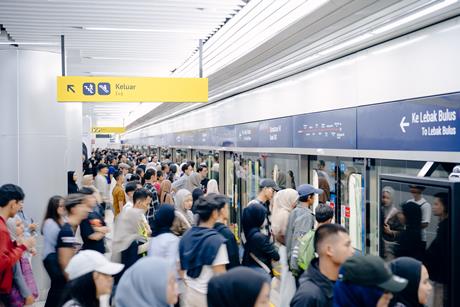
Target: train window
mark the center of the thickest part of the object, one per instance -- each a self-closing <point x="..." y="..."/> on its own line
<point x="414" y="222"/>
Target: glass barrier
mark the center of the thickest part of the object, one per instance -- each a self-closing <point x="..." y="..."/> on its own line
<point x="415" y="222"/>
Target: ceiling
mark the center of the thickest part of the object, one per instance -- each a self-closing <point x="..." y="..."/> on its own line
<point x="115" y="37"/>
<point x="246" y="43"/>
<point x="330" y="31"/>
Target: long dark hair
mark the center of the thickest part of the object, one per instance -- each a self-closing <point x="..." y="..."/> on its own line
<point x="52" y="210"/>
<point x="82" y="290"/>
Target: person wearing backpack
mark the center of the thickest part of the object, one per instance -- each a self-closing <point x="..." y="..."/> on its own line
<point x="304" y="252"/>
<point x="301" y="220"/>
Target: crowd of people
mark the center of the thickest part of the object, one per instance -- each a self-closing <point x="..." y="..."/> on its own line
<point x="171" y="244"/>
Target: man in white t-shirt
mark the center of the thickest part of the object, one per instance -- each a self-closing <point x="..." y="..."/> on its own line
<point x="425" y="207"/>
<point x="130" y="188"/>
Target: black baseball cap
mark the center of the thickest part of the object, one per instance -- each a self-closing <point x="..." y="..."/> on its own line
<point x="373" y="272"/>
<point x="269" y="183"/>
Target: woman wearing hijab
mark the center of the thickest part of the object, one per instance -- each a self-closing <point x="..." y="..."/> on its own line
<point x="212" y="187"/>
<point x="164" y="243"/>
<point x="193" y="182"/>
<point x="390" y="221"/>
<point x="183" y="202"/>
<point x="165" y="193"/>
<point x="72" y="186"/>
<point x="240" y="287"/>
<point x="258" y="250"/>
<point x="150" y="282"/>
<point x="203" y="254"/>
<point x="283" y="203"/>
<point x="410" y="239"/>
<point x="24" y="290"/>
<point x="418" y="288"/>
<point x="281" y="180"/>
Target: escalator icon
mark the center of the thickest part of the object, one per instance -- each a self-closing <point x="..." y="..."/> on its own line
<point x="103" y="88"/>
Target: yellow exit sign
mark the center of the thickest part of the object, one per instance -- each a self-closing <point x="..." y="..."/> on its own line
<point x="108" y="130"/>
<point x="136" y="89"/>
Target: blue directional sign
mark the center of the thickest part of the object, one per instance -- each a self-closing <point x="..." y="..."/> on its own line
<point x="276" y="132"/>
<point x="430" y="124"/>
<point x="330" y="129"/>
<point x="202" y="137"/>
<point x="224" y="136"/>
<point x="89" y="88"/>
<point x="247" y="135"/>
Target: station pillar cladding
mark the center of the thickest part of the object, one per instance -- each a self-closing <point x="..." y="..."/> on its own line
<point x="40" y="139"/>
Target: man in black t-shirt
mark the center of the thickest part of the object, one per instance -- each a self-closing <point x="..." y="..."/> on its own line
<point x="202" y="169"/>
<point x="66" y="246"/>
<point x="93" y="229"/>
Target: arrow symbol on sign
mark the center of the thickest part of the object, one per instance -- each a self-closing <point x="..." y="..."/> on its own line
<point x="70" y="88"/>
<point x="403" y="124"/>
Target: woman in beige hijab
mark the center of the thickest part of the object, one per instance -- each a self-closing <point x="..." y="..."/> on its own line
<point x="283" y="203"/>
<point x="212" y="187"/>
<point x="183" y="202"/>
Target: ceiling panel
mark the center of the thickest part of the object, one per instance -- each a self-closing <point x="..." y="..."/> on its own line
<point x="116" y="37"/>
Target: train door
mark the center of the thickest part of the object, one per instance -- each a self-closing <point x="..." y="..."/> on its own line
<point x="324" y="176"/>
<point x="351" y="204"/>
<point x="231" y="191"/>
<point x="419" y="219"/>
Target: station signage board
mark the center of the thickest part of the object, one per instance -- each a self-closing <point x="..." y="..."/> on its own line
<point x="117" y="130"/>
<point x="224" y="136"/>
<point x="202" y="137"/>
<point x="135" y="89"/>
<point x="276" y="132"/>
<point x="247" y="135"/>
<point x="428" y="124"/>
<point x="329" y="129"/>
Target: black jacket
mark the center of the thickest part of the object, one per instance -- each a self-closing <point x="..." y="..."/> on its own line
<point x="437" y="258"/>
<point x="315" y="289"/>
<point x="232" y="246"/>
<point x="260" y="245"/>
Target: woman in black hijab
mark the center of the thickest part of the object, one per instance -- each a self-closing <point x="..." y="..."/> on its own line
<point x="72" y="186"/>
<point x="258" y="250"/>
<point x="410" y="239"/>
<point x="164" y="219"/>
<point x="196" y="193"/>
<point x="418" y="287"/>
<point x="240" y="287"/>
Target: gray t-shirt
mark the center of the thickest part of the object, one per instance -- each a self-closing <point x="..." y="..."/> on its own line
<point x="50" y="233"/>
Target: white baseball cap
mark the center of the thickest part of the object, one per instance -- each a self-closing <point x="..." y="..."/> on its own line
<point x="88" y="261"/>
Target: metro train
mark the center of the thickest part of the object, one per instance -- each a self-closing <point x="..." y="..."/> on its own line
<point x="375" y="129"/>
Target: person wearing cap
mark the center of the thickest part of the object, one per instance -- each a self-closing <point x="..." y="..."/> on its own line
<point x="267" y="189"/>
<point x="333" y="245"/>
<point x="425" y="207"/>
<point x="366" y="281"/>
<point x="90" y="280"/>
<point x="301" y="220"/>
